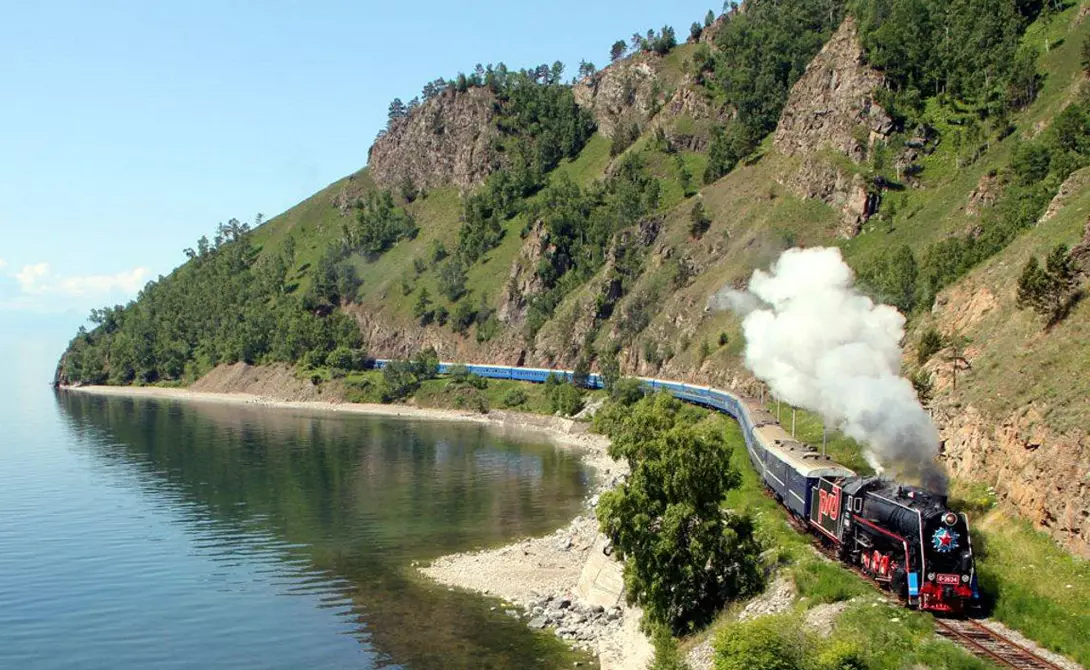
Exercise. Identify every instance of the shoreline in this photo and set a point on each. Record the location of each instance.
(539, 575)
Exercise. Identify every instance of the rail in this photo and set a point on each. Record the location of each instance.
(985, 643)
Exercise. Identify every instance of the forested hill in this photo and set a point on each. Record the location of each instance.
(529, 216)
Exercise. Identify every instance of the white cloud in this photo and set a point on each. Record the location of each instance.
(3, 263)
(39, 280)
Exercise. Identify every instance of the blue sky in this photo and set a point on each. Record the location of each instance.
(129, 129)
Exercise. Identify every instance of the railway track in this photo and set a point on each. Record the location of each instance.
(985, 643)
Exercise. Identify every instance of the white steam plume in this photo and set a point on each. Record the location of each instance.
(823, 346)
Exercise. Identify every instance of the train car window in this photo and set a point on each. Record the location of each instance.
(858, 505)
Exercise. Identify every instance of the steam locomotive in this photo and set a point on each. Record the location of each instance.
(902, 536)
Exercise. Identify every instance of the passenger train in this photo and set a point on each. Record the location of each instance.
(901, 536)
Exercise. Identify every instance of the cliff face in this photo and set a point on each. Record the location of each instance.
(624, 93)
(832, 108)
(447, 140)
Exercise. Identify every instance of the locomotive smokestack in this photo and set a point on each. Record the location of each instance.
(823, 346)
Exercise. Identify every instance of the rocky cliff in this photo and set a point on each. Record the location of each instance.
(447, 140)
(624, 93)
(832, 109)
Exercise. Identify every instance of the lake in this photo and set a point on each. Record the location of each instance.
(141, 533)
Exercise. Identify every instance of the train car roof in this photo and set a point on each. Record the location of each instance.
(800, 456)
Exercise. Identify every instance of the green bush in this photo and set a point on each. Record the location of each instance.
(840, 655)
(667, 656)
(346, 359)
(514, 397)
(929, 345)
(764, 643)
(565, 399)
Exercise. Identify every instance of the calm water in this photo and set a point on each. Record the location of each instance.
(139, 534)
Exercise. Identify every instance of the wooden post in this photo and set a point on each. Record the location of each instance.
(823, 437)
(792, 422)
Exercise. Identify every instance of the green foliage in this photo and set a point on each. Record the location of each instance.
(344, 358)
(609, 367)
(332, 282)
(582, 225)
(930, 343)
(463, 317)
(1048, 290)
(624, 137)
(541, 125)
(891, 278)
(564, 399)
(762, 52)
(764, 643)
(684, 555)
(452, 280)
(617, 51)
(1084, 54)
(699, 221)
(514, 397)
(723, 339)
(402, 378)
(436, 252)
(221, 306)
(378, 226)
(667, 656)
(965, 49)
(422, 309)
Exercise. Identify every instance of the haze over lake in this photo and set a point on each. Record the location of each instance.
(142, 533)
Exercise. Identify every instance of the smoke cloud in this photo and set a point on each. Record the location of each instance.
(823, 346)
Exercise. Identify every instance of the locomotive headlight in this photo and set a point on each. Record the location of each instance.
(965, 578)
(931, 576)
(950, 518)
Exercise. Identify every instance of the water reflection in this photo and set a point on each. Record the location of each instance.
(335, 508)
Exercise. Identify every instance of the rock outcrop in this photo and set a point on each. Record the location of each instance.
(832, 105)
(832, 108)
(846, 191)
(1035, 472)
(1072, 186)
(447, 140)
(523, 280)
(984, 195)
(624, 93)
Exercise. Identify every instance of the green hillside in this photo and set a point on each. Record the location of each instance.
(583, 246)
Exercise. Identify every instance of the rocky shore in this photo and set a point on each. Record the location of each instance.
(540, 577)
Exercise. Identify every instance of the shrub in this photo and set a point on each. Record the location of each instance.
(667, 656)
(1048, 290)
(425, 364)
(929, 345)
(463, 318)
(765, 643)
(458, 372)
(565, 399)
(514, 397)
(723, 339)
(312, 359)
(840, 655)
(399, 381)
(699, 221)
